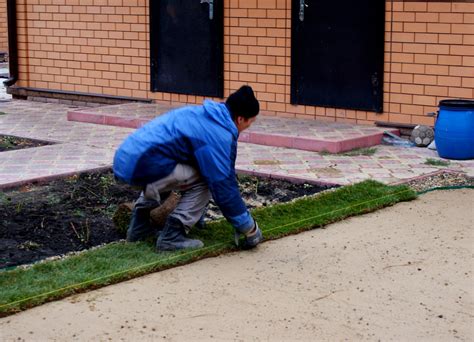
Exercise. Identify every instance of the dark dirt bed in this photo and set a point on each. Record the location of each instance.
(75, 213)
(10, 143)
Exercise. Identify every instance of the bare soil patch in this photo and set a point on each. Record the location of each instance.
(75, 213)
(10, 143)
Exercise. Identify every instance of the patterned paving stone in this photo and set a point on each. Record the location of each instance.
(84, 146)
(307, 135)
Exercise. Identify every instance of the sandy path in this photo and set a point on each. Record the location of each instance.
(402, 273)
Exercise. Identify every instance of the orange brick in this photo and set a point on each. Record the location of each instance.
(266, 3)
(437, 70)
(239, 12)
(415, 7)
(257, 31)
(276, 13)
(403, 17)
(461, 93)
(415, 27)
(462, 28)
(425, 79)
(461, 71)
(239, 67)
(403, 37)
(426, 59)
(427, 17)
(436, 90)
(449, 81)
(238, 49)
(439, 7)
(451, 18)
(412, 109)
(266, 22)
(468, 40)
(247, 77)
(265, 78)
(263, 96)
(426, 38)
(403, 57)
(268, 60)
(276, 51)
(396, 27)
(439, 28)
(275, 88)
(248, 59)
(247, 22)
(412, 89)
(424, 100)
(282, 4)
(276, 70)
(248, 41)
(468, 82)
(282, 80)
(280, 98)
(413, 69)
(414, 48)
(437, 49)
(238, 31)
(468, 18)
(401, 98)
(247, 4)
(467, 61)
(450, 39)
(450, 60)
(394, 88)
(462, 50)
(467, 7)
(264, 41)
(256, 68)
(276, 32)
(257, 13)
(257, 50)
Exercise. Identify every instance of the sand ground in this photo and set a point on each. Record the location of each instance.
(404, 273)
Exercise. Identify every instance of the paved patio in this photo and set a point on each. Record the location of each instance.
(306, 135)
(83, 146)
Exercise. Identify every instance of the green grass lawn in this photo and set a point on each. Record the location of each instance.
(437, 162)
(43, 282)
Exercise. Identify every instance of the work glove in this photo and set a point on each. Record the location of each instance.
(251, 238)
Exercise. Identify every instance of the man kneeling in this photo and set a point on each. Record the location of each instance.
(191, 149)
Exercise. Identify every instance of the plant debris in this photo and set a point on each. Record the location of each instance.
(445, 179)
(10, 143)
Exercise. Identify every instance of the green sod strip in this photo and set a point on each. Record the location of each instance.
(43, 282)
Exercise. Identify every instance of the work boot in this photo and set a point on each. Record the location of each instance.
(173, 237)
(140, 228)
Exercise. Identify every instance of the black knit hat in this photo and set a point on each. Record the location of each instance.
(243, 103)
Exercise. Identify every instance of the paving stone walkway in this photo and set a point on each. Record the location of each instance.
(84, 146)
(306, 135)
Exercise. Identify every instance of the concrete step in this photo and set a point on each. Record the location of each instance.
(302, 134)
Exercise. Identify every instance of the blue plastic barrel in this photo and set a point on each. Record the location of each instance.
(454, 129)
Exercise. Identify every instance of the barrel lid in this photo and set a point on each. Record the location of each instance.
(457, 103)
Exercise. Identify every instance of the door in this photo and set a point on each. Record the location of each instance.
(186, 46)
(337, 53)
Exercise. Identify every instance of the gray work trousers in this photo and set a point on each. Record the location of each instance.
(195, 194)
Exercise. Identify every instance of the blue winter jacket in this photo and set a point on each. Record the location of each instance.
(201, 136)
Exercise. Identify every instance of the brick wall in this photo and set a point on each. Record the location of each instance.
(3, 26)
(431, 57)
(101, 46)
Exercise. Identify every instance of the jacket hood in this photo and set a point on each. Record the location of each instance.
(219, 113)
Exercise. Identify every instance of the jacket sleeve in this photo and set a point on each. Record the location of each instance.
(217, 168)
